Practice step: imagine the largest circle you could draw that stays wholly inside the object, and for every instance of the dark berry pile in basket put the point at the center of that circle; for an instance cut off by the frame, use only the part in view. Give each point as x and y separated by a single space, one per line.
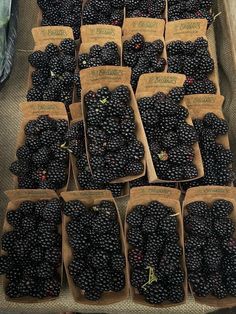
143 57
107 54
32 250
217 160
190 9
143 181
94 235
145 8
115 152
170 137
66 13
194 60
155 253
210 248
53 75
43 160
103 12
85 179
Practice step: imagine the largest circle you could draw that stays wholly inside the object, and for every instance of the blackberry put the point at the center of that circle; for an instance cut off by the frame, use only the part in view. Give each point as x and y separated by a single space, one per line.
196 226
19 168
229 245
199 285
187 134
231 286
176 94
51 50
135 237
218 287
198 208
103 281
118 279
149 225
212 258
224 227
38 59
134 168
136 258
193 259
134 219
14 218
176 294
155 293
139 277
67 46
222 208
92 295
181 155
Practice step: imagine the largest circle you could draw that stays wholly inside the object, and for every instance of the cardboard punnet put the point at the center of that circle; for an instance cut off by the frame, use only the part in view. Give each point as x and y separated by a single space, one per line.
45 35
90 198
169 197
191 29
76 114
209 194
151 29
149 84
16 197
31 111
113 76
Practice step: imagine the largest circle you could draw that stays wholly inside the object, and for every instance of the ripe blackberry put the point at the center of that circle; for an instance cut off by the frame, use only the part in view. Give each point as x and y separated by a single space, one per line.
198 208
38 59
221 208
218 287
229 245
187 134
136 258
200 286
118 279
67 46
181 155
134 219
51 50
92 295
176 294
149 225
224 227
212 257
196 226
139 276
155 293
103 280
231 286
135 237
134 168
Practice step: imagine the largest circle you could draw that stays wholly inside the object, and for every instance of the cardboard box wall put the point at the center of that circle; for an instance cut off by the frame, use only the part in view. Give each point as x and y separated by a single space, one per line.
90 198
169 197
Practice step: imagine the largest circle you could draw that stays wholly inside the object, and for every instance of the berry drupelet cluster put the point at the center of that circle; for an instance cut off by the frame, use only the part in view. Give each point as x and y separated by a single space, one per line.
210 248
193 60
170 137
108 54
85 179
32 250
143 57
113 147
94 236
190 9
143 181
145 8
217 159
66 13
43 160
155 255
53 75
109 12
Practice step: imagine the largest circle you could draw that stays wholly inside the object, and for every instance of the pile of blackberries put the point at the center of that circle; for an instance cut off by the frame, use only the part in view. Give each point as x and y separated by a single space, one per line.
43 160
103 12
113 147
53 75
143 181
32 250
143 57
170 137
210 248
217 160
66 13
85 179
155 254
190 9
145 8
94 235
108 54
193 60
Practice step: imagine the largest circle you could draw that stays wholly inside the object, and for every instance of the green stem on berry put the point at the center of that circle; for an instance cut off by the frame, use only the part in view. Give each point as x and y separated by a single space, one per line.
103 101
151 277
163 156
63 146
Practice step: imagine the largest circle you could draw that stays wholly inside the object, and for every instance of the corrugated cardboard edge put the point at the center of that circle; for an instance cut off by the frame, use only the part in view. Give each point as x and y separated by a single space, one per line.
169 197
90 198
76 114
149 84
32 110
191 29
209 194
113 76
16 197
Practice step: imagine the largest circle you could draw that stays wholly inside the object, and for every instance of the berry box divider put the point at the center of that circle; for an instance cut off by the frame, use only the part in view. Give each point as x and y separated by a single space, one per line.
190 30
46 35
90 198
76 114
31 111
149 84
151 29
200 105
169 197
209 194
113 76
16 197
